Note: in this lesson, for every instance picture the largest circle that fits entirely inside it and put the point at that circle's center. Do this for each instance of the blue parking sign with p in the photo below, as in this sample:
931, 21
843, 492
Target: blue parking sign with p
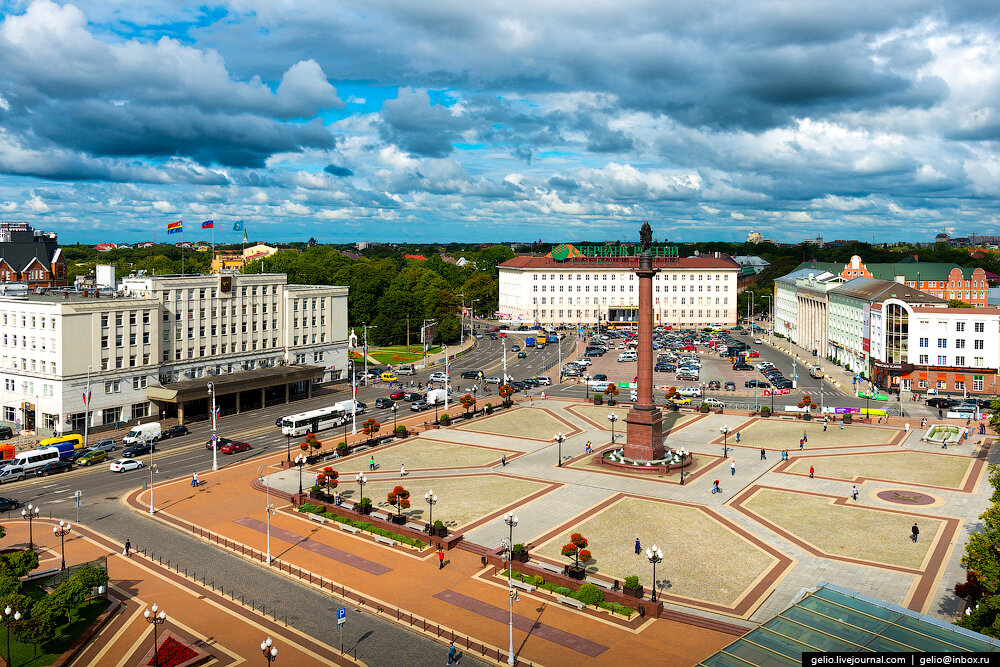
341, 615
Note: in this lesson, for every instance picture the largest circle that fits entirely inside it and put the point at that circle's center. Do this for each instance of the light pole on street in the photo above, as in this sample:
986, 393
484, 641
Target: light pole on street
269, 651
156, 619
61, 531
511, 521
30, 513
431, 501
354, 394
395, 409
215, 442
559, 440
10, 617
612, 417
268, 507
725, 439
361, 480
586, 386
655, 555
300, 462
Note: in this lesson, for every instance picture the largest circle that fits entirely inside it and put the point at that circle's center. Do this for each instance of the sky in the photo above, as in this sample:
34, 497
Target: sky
494, 121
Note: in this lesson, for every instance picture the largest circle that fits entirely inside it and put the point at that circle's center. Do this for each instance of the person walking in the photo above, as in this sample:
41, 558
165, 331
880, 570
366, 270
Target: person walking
763, 454
802, 443
824, 427
737, 437
127, 552
841, 423
812, 472
503, 459
784, 455
805, 437
732, 467
854, 492
194, 480
453, 654
440, 558
402, 470
914, 532
906, 428
638, 547
371, 463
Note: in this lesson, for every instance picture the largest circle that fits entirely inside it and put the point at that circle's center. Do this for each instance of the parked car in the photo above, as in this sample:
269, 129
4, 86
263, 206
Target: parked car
412, 396
91, 457
384, 403
137, 450
941, 403
714, 403
741, 366
758, 341
730, 386
679, 400
123, 465
175, 432
235, 447
572, 372
9, 504
757, 383
544, 380
438, 377
690, 391
471, 374
397, 395
601, 377
418, 406
219, 442
6, 433
106, 445
53, 467
714, 384
493, 380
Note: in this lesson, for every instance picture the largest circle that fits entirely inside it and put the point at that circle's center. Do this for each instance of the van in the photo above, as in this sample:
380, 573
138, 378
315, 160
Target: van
36, 458
388, 377
75, 438
815, 371
406, 369
11, 473
627, 356
142, 433
349, 407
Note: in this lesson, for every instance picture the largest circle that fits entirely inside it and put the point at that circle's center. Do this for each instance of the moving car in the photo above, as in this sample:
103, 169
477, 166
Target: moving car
522, 354
601, 377
438, 377
107, 445
418, 406
9, 504
679, 400
53, 467
544, 380
471, 374
493, 380
714, 403
714, 384
384, 403
689, 391
92, 457
388, 377
137, 450
758, 341
175, 432
412, 396
730, 386
235, 447
941, 403
122, 465
6, 433
219, 442
396, 396
515, 348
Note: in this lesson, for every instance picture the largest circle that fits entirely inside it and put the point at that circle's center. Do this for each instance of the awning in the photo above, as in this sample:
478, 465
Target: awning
923, 376
960, 377
230, 383
942, 376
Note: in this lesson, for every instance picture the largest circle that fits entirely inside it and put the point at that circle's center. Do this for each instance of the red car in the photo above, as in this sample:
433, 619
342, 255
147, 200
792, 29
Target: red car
234, 447
396, 395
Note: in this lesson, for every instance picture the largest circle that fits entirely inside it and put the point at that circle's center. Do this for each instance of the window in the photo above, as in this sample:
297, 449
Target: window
112, 415
104, 320
139, 382
140, 410
113, 387
922, 384
959, 361
942, 342
940, 384
977, 362
960, 343
979, 327
924, 342
118, 319
977, 343
977, 383
959, 326
942, 360
924, 359
104, 342
959, 385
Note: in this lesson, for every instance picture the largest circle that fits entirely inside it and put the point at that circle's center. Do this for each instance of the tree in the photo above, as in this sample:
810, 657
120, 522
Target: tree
468, 402
958, 303
982, 560
399, 498
506, 391
312, 442
328, 478
611, 391
370, 428
577, 549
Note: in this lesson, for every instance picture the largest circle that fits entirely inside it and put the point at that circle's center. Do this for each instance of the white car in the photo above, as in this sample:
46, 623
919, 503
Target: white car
758, 341
625, 356
493, 380
764, 365
544, 380
438, 377
689, 391
714, 403
121, 465
585, 361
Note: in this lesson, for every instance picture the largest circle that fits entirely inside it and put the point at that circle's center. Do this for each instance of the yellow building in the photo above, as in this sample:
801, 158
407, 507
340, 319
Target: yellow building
257, 251
227, 262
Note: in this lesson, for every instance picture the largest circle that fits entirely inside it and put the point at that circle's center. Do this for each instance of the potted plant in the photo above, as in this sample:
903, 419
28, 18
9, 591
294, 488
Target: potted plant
342, 448
765, 411
506, 391
400, 499
807, 416
439, 529
401, 431
370, 428
577, 550
704, 407
847, 418
469, 403
445, 420
316, 492
598, 399
519, 553
632, 587
488, 408
365, 506
611, 391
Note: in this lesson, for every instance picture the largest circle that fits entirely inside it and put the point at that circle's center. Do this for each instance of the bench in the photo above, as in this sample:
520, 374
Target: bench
417, 527
317, 517
517, 583
350, 529
601, 584
381, 517
386, 540
570, 601
791, 417
550, 567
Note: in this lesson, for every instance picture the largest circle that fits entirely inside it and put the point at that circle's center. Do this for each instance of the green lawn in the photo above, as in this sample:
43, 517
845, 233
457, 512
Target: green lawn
23, 655
400, 354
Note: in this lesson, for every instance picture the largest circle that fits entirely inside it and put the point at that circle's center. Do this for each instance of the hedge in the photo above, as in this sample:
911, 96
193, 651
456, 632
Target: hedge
363, 526
539, 582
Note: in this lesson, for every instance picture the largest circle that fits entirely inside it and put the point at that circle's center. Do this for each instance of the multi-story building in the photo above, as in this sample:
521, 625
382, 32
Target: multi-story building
149, 350
30, 256
577, 289
800, 306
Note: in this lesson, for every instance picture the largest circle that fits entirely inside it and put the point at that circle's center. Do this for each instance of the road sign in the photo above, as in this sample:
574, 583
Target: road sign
341, 615
795, 375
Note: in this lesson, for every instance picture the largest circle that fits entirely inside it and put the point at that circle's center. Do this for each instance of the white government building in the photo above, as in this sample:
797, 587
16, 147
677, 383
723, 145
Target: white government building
687, 292
149, 346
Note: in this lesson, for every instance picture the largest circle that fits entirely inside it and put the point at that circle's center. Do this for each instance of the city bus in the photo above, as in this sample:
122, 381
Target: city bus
314, 421
74, 438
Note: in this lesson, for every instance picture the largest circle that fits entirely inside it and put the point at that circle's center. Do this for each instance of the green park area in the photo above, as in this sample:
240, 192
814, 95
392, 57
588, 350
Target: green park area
398, 354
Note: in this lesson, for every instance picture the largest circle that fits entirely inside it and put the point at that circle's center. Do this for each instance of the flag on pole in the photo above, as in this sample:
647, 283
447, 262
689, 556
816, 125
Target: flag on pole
86, 398
175, 227
208, 224
238, 226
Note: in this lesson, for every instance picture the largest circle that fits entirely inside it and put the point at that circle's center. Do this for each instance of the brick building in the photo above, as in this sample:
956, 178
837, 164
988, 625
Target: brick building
30, 256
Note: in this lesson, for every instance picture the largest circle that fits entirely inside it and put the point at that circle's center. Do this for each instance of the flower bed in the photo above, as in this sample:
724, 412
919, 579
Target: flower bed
363, 526
171, 653
587, 596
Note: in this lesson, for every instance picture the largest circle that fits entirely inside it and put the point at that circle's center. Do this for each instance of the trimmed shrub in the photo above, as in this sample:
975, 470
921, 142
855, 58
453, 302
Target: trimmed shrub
590, 594
632, 582
342, 448
562, 590
518, 548
438, 525
538, 580
444, 420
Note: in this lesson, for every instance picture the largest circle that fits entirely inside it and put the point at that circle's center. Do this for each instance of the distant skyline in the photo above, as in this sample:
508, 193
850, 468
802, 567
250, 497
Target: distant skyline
492, 121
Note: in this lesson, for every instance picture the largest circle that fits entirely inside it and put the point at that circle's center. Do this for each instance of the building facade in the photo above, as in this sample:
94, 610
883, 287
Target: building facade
157, 334
693, 291
30, 256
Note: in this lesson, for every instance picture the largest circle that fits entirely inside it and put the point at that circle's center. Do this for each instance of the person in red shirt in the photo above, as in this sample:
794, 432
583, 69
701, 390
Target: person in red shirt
440, 558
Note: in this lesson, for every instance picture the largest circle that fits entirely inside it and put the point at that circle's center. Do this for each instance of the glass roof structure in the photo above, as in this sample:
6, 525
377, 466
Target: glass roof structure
835, 619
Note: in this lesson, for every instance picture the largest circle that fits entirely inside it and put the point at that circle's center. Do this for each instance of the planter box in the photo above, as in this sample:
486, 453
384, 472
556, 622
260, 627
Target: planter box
399, 519
598, 400
578, 573
440, 532
703, 408
633, 592
367, 509
522, 557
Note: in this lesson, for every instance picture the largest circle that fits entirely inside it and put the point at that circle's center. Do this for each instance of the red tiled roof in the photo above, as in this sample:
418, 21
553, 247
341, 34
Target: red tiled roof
701, 262
420, 257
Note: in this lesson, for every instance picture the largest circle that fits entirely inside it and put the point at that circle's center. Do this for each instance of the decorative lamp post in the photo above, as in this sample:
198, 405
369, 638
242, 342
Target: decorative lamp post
586, 386
268, 507
215, 424
559, 439
683, 454
152, 468
300, 462
156, 619
431, 501
361, 480
10, 617
288, 446
511, 521
612, 417
655, 555
395, 409
725, 439
30, 513
61, 531
269, 650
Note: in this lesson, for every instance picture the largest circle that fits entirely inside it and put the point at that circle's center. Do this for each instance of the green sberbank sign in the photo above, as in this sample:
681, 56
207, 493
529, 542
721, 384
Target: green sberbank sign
873, 396
566, 251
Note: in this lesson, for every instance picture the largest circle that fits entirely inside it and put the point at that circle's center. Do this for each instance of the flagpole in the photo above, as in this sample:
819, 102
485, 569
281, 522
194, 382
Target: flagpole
182, 249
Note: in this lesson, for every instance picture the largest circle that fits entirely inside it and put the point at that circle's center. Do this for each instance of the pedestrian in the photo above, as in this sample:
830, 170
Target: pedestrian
127, 551
940, 414
965, 433
440, 558
784, 455
968, 420
715, 487
801, 443
824, 427
402, 470
812, 472
841, 423
371, 463
503, 459
914, 532
194, 479
805, 437
854, 492
638, 547
906, 428
452, 654
737, 437
732, 467
763, 454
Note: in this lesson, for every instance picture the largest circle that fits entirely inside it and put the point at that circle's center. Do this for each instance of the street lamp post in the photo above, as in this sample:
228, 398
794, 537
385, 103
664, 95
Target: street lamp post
269, 650
268, 507
152, 469
300, 462
30, 513
288, 446
156, 619
683, 453
431, 501
9, 618
655, 555
511, 521
559, 439
395, 409
586, 386
725, 440
61, 531
361, 480
612, 417
215, 425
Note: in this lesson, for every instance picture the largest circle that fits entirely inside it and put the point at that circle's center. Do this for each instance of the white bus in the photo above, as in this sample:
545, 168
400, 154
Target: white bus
314, 421
35, 458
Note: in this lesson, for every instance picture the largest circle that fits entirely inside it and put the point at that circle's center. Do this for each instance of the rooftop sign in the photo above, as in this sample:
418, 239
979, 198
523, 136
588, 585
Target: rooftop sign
566, 251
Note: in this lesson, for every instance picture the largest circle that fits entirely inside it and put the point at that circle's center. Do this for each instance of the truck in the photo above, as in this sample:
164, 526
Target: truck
348, 407
551, 339
142, 433
436, 396
529, 342
816, 371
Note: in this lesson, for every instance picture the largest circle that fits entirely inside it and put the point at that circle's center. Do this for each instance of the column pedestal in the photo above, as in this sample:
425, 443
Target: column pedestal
644, 434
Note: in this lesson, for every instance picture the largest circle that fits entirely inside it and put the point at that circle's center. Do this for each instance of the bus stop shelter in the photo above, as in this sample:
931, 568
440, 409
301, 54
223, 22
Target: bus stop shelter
189, 400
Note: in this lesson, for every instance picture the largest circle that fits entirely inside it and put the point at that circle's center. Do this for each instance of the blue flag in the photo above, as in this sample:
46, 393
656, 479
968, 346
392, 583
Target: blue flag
238, 226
